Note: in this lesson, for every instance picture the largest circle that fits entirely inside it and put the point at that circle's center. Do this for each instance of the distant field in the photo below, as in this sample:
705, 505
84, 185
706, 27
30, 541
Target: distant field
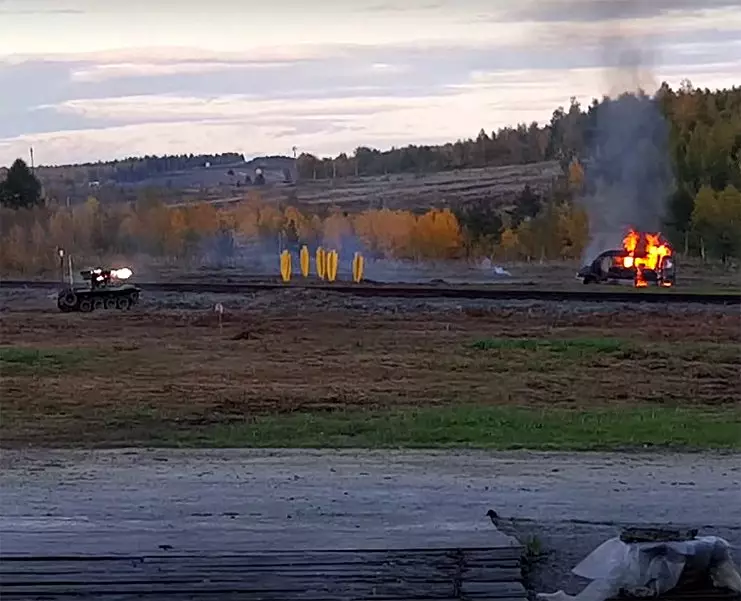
400, 191
408, 191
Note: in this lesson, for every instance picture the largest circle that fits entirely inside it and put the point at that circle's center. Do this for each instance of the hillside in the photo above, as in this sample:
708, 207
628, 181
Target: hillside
416, 192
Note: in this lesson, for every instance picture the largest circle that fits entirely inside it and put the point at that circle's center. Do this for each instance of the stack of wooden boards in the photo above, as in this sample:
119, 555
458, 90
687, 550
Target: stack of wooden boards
480, 573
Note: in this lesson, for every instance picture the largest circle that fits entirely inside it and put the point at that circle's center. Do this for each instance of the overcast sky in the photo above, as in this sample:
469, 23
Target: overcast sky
85, 80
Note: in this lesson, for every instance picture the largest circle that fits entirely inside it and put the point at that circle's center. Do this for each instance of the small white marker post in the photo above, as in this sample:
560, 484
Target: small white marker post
219, 308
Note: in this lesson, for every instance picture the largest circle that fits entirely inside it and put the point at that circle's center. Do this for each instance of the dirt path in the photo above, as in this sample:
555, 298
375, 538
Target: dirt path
135, 501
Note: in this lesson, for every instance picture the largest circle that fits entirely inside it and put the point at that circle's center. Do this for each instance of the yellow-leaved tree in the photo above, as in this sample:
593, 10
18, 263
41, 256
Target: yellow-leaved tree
717, 218
336, 228
573, 231
576, 176
509, 244
437, 235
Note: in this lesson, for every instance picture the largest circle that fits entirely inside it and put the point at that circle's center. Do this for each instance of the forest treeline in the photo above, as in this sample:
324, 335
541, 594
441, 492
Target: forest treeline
703, 140
98, 233
703, 143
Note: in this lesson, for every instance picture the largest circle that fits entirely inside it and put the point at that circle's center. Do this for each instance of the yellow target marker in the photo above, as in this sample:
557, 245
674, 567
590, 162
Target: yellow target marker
321, 263
357, 268
332, 264
285, 265
304, 259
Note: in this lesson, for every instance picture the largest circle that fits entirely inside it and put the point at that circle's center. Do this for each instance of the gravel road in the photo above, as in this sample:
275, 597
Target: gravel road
128, 501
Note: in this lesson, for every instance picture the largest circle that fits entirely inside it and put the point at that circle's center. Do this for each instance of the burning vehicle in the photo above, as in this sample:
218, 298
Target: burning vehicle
645, 259
106, 290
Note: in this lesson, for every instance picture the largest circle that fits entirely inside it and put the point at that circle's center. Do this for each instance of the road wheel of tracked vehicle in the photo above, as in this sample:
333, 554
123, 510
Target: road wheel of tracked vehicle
110, 303
123, 303
86, 305
62, 305
98, 304
133, 298
69, 299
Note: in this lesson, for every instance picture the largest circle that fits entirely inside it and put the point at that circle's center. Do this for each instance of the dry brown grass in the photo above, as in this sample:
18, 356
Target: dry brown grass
113, 376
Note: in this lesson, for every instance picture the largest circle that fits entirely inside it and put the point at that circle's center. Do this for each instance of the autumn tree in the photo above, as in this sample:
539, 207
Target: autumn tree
527, 205
299, 229
337, 228
437, 235
481, 224
386, 233
576, 176
573, 231
509, 244
717, 217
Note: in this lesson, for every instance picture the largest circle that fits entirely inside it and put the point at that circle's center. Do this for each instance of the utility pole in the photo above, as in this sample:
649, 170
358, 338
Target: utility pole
30, 150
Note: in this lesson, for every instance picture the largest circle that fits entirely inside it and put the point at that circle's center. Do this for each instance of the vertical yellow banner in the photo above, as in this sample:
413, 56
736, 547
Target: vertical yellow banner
285, 265
304, 260
332, 264
321, 263
357, 268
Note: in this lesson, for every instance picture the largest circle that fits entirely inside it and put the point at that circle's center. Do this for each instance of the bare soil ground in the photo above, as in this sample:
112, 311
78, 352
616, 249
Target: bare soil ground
168, 367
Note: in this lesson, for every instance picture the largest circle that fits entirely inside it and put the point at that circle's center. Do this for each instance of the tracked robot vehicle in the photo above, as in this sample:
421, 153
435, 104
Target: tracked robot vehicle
106, 290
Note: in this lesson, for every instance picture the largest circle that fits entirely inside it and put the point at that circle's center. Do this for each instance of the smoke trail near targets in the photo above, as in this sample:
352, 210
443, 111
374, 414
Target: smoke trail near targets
628, 172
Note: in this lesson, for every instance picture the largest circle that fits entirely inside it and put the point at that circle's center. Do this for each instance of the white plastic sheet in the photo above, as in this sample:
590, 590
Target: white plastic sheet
650, 569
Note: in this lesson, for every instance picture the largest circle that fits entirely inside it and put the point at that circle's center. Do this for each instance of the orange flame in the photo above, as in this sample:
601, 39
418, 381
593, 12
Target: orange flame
645, 251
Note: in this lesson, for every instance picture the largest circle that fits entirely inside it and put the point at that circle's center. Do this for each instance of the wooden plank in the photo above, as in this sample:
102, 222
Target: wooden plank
308, 576
496, 574
475, 590
245, 579
227, 575
236, 597
354, 589
136, 567
293, 557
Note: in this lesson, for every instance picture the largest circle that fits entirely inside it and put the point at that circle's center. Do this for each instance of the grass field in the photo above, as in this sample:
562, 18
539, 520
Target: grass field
311, 375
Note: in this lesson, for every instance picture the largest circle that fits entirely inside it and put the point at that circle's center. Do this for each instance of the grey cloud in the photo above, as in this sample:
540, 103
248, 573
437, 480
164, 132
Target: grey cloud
607, 10
424, 72
37, 7
404, 6
42, 11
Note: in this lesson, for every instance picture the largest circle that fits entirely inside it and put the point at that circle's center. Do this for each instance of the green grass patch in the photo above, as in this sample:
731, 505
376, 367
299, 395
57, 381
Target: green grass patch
480, 427
14, 360
572, 347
